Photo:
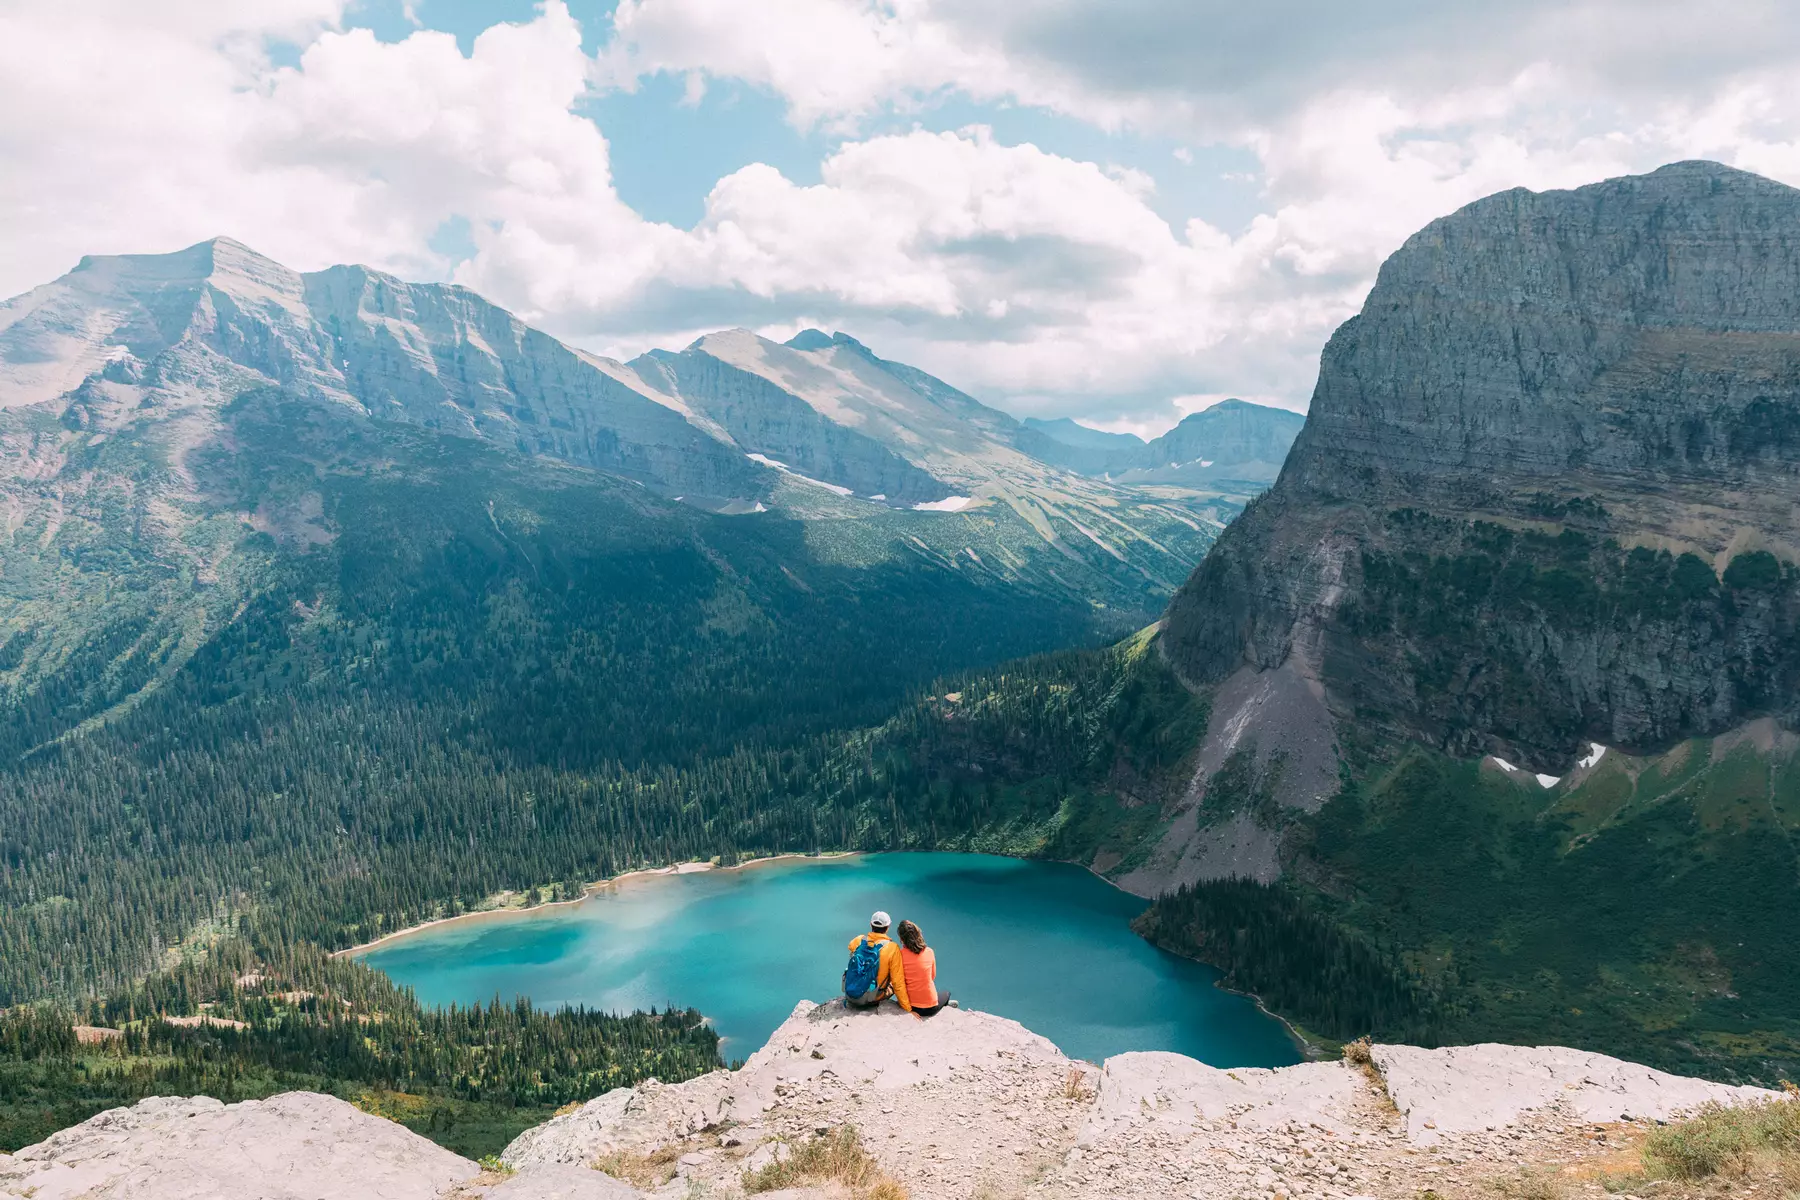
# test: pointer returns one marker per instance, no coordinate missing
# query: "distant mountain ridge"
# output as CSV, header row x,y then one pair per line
x,y
143,340
1072,433
155,348
1232,440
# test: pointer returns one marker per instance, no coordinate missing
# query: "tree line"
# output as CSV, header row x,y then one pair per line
x,y
288,1017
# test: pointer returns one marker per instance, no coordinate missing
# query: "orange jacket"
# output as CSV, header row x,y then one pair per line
x,y
919,973
888,976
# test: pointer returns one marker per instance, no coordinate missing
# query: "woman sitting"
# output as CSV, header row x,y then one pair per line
x,y
918,966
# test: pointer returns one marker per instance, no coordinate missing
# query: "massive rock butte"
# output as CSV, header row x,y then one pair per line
x,y
967,1104
1548,491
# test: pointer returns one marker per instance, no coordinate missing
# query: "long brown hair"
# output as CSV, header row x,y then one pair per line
x,y
911,938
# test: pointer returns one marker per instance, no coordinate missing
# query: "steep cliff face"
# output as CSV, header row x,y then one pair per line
x,y
1549,487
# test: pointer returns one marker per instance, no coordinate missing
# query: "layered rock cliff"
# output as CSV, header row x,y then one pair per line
x,y
1548,491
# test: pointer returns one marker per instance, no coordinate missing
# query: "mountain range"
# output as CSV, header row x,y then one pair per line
x,y
178,429
283,520
335,603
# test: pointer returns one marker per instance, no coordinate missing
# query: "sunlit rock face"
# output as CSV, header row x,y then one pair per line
x,y
1547,401
136,341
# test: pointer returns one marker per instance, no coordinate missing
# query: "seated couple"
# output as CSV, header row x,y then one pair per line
x,y
906,970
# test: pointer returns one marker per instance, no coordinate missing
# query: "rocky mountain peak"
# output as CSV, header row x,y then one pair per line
x,y
1636,334
810,339
1530,464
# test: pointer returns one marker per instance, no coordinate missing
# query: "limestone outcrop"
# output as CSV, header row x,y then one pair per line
x,y
971,1101
295,1146
962,1105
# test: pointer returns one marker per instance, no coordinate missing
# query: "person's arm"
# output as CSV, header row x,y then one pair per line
x,y
896,971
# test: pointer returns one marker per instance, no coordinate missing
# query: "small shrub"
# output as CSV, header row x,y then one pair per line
x,y
835,1157
1726,1141
1358,1052
1075,1086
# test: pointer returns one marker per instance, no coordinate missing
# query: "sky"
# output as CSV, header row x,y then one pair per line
x,y
1115,210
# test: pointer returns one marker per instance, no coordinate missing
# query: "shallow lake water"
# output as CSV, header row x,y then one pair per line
x,y
1046,944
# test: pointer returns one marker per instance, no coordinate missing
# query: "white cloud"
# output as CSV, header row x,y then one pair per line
x,y
1009,270
832,60
412,133
1368,120
118,123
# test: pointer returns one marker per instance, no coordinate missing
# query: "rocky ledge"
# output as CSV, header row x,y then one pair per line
x,y
967,1104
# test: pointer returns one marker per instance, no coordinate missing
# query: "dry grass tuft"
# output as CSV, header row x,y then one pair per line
x,y
1534,1185
1075,1085
835,1157
646,1171
1735,1143
1359,1055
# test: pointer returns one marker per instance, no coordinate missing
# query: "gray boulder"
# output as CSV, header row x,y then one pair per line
x,y
295,1146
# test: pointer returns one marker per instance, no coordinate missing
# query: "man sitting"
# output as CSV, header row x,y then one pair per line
x,y
874,971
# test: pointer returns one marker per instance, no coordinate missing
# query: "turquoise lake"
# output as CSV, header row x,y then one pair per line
x,y
1046,944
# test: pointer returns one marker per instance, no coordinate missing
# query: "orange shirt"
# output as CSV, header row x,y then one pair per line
x,y
920,973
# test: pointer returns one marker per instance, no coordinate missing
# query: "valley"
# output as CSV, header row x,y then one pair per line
x,y
335,604
330,601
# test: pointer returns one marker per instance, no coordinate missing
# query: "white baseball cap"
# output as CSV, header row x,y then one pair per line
x,y
879,920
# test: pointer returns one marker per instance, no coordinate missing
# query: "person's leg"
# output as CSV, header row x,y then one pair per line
x,y
943,1002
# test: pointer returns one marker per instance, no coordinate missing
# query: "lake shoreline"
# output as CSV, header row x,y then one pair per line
x,y
587,892
1308,1048
742,949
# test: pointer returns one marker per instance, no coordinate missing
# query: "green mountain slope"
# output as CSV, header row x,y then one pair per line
x,y
331,601
486,678
237,1025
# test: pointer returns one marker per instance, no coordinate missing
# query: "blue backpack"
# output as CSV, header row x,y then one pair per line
x,y
864,968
